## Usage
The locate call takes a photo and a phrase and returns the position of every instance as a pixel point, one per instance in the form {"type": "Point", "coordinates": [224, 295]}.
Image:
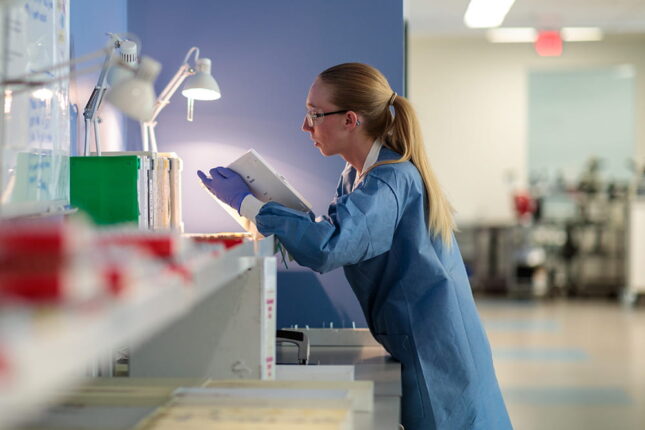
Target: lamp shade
{"type": "Point", "coordinates": [202, 85]}
{"type": "Point", "coordinates": [127, 55]}
{"type": "Point", "coordinates": [135, 97]}
{"type": "Point", "coordinates": [118, 74]}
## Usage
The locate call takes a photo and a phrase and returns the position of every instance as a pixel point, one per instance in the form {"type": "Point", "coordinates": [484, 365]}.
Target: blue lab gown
{"type": "Point", "coordinates": [414, 292]}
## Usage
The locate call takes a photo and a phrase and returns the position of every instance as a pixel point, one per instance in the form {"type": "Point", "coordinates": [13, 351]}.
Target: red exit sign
{"type": "Point", "coordinates": [548, 43]}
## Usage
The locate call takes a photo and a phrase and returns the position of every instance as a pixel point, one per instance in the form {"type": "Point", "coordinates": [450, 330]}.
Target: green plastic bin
{"type": "Point", "coordinates": [106, 188]}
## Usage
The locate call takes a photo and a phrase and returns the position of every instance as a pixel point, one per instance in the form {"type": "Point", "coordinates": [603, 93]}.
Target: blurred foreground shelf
{"type": "Point", "coordinates": [44, 351]}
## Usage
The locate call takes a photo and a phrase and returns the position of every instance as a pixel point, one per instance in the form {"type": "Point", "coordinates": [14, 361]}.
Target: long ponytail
{"type": "Point", "coordinates": [391, 118]}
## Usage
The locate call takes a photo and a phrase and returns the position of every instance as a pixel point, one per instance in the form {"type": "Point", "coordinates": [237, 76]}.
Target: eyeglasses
{"type": "Point", "coordinates": [317, 117]}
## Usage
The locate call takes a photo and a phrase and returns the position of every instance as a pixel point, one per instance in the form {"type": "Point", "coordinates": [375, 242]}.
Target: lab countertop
{"type": "Point", "coordinates": [371, 363]}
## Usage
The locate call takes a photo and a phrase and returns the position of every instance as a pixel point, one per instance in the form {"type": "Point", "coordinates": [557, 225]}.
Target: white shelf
{"type": "Point", "coordinates": [48, 353]}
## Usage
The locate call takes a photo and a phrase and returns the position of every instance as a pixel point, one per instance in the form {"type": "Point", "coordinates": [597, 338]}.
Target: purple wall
{"type": "Point", "coordinates": [90, 20]}
{"type": "Point", "coordinates": [265, 55]}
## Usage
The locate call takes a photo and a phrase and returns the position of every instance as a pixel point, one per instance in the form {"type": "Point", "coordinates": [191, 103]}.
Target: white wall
{"type": "Point", "coordinates": [471, 97]}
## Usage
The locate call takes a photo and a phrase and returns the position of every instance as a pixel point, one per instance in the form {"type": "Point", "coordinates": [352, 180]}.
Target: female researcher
{"type": "Point", "coordinates": [391, 228]}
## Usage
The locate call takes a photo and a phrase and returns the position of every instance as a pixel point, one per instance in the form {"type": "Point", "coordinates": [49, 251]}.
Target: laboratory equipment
{"type": "Point", "coordinates": [47, 262]}
{"type": "Point", "coordinates": [297, 338]}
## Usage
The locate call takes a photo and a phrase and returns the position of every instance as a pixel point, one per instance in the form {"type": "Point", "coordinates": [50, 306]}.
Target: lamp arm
{"type": "Point", "coordinates": [96, 98]}
{"type": "Point", "coordinates": [149, 139]}
{"type": "Point", "coordinates": [148, 127]}
{"type": "Point", "coordinates": [195, 50]}
{"type": "Point", "coordinates": [164, 98]}
{"type": "Point", "coordinates": [93, 104]}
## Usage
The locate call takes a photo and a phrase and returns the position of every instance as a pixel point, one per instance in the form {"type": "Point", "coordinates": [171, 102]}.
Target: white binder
{"type": "Point", "coordinates": [267, 185]}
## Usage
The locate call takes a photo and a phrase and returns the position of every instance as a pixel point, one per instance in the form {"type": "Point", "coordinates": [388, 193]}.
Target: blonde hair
{"type": "Point", "coordinates": [363, 89]}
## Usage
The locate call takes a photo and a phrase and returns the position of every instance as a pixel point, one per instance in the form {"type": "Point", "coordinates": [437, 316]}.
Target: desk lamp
{"type": "Point", "coordinates": [136, 104]}
{"type": "Point", "coordinates": [200, 85]}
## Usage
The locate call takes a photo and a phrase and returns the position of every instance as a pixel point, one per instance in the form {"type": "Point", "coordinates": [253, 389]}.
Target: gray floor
{"type": "Point", "coordinates": [569, 364]}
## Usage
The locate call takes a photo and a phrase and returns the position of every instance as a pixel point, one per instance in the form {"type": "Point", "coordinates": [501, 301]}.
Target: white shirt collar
{"type": "Point", "coordinates": [372, 156]}
{"type": "Point", "coordinates": [370, 160]}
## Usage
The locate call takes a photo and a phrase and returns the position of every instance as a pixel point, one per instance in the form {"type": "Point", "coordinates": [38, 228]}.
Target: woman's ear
{"type": "Point", "coordinates": [351, 119]}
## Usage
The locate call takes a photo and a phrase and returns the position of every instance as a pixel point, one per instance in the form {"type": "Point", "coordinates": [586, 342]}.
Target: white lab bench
{"type": "Point", "coordinates": [371, 363]}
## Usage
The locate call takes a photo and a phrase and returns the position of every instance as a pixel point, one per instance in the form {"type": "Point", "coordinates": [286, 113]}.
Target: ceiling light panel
{"type": "Point", "coordinates": [511, 35]}
{"type": "Point", "coordinates": [486, 13]}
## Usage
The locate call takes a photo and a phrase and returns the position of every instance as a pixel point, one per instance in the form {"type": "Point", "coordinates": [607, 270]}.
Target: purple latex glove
{"type": "Point", "coordinates": [226, 185]}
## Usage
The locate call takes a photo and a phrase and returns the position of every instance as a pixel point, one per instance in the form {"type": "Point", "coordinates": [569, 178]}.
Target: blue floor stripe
{"type": "Point", "coordinates": [540, 354]}
{"type": "Point", "coordinates": [521, 325]}
{"type": "Point", "coordinates": [568, 395]}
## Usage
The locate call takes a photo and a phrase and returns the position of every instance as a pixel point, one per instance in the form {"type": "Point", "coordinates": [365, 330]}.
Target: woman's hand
{"type": "Point", "coordinates": [226, 185]}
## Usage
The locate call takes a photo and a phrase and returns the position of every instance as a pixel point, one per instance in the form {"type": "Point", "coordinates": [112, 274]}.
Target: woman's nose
{"type": "Point", "coordinates": [305, 125]}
